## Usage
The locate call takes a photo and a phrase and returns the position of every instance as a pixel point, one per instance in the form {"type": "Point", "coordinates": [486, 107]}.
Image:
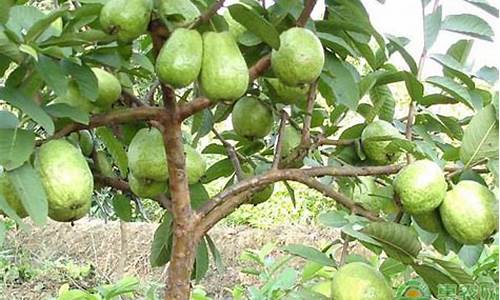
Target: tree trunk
{"type": "Point", "coordinates": [183, 254]}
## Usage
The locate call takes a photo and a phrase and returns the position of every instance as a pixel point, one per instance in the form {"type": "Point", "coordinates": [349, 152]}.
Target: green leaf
{"type": "Point", "coordinates": [334, 42]}
{"type": "Point", "coordinates": [470, 254]}
{"type": "Point", "coordinates": [451, 63]}
{"type": "Point", "coordinates": [28, 186]}
{"type": "Point", "coordinates": [84, 78]}
{"type": "Point", "coordinates": [222, 168]}
{"type": "Point", "coordinates": [455, 270]}
{"type": "Point", "coordinates": [309, 253]}
{"type": "Point", "coordinates": [9, 48]}
{"type": "Point", "coordinates": [52, 74]}
{"type": "Point", "coordinates": [16, 146]}
{"type": "Point", "coordinates": [42, 25]}
{"type": "Point", "coordinates": [453, 88]}
{"type": "Point", "coordinates": [122, 207]}
{"type": "Point", "coordinates": [21, 18]}
{"type": "Point", "coordinates": [488, 74]}
{"type": "Point", "coordinates": [460, 50]}
{"type": "Point", "coordinates": [161, 246]}
{"type": "Point", "coordinates": [484, 5]}
{"type": "Point", "coordinates": [432, 25]}
{"type": "Point", "coordinates": [201, 260]}
{"type": "Point", "coordinates": [256, 24]}
{"type": "Point", "coordinates": [8, 120]}
{"type": "Point", "coordinates": [116, 148]}
{"type": "Point", "coordinates": [398, 241]}
{"type": "Point", "coordinates": [198, 195]}
{"type": "Point", "coordinates": [493, 167]}
{"type": "Point", "coordinates": [4, 10]}
{"type": "Point", "coordinates": [470, 25]}
{"type": "Point", "coordinates": [391, 267]}
{"type": "Point", "coordinates": [71, 39]}
{"type": "Point", "coordinates": [62, 110]}
{"type": "Point", "coordinates": [124, 286]}
{"type": "Point", "coordinates": [433, 276]}
{"type": "Point", "coordinates": [10, 212]}
{"type": "Point", "coordinates": [383, 103]}
{"type": "Point", "coordinates": [434, 99]}
{"type": "Point", "coordinates": [480, 137]}
{"type": "Point", "coordinates": [215, 253]}
{"type": "Point", "coordinates": [413, 85]}
{"type": "Point", "coordinates": [333, 219]}
{"type": "Point", "coordinates": [28, 106]}
{"type": "Point", "coordinates": [341, 82]}
{"type": "Point", "coordinates": [398, 45]}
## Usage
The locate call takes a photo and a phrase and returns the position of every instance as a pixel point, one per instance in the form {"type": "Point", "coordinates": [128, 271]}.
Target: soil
{"type": "Point", "coordinates": [93, 242]}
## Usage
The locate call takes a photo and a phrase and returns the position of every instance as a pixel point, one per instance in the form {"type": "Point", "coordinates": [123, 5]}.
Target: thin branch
{"type": "Point", "coordinates": [131, 99]}
{"type": "Point", "coordinates": [231, 152]}
{"type": "Point", "coordinates": [164, 201]}
{"type": "Point", "coordinates": [113, 117]}
{"type": "Point", "coordinates": [150, 95]}
{"type": "Point", "coordinates": [311, 96]}
{"type": "Point", "coordinates": [113, 182]}
{"type": "Point", "coordinates": [304, 16]}
{"type": "Point", "coordinates": [260, 67]}
{"type": "Point", "coordinates": [208, 14]}
{"type": "Point", "coordinates": [344, 252]}
{"type": "Point", "coordinates": [196, 105]}
{"type": "Point", "coordinates": [279, 143]}
{"type": "Point", "coordinates": [321, 141]}
{"type": "Point", "coordinates": [454, 172]}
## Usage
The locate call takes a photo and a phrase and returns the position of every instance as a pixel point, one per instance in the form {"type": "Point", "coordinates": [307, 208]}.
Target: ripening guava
{"type": "Point", "coordinates": [376, 149]}
{"type": "Point", "coordinates": [251, 118]}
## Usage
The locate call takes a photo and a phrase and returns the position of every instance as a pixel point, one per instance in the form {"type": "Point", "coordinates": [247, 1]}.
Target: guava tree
{"type": "Point", "coordinates": [76, 116]}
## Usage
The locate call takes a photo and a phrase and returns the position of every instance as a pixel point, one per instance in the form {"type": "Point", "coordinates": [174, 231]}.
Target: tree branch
{"type": "Point", "coordinates": [131, 99]}
{"type": "Point", "coordinates": [281, 130]}
{"type": "Point", "coordinates": [113, 182]}
{"type": "Point", "coordinates": [321, 141]}
{"type": "Point", "coordinates": [306, 12]}
{"type": "Point", "coordinates": [191, 108]}
{"type": "Point", "coordinates": [113, 117]}
{"type": "Point", "coordinates": [311, 96]}
{"type": "Point", "coordinates": [150, 95]}
{"type": "Point", "coordinates": [208, 14]}
{"type": "Point", "coordinates": [231, 152]}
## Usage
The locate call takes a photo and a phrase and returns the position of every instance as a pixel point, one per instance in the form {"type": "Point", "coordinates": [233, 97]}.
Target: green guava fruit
{"type": "Point", "coordinates": [359, 281]}
{"type": "Point", "coordinates": [178, 12]}
{"type": "Point", "coordinates": [224, 72]}
{"type": "Point", "coordinates": [195, 164]}
{"type": "Point", "coordinates": [10, 194]}
{"type": "Point", "coordinates": [234, 27]}
{"type": "Point", "coordinates": [375, 150]}
{"type": "Point", "coordinates": [287, 94]}
{"type": "Point", "coordinates": [300, 57]}
{"type": "Point", "coordinates": [75, 99]}
{"type": "Point", "coordinates": [430, 221]}
{"type": "Point", "coordinates": [421, 187]}
{"type": "Point", "coordinates": [179, 61]}
{"type": "Point", "coordinates": [324, 288]}
{"type": "Point", "coordinates": [86, 142]}
{"type": "Point", "coordinates": [290, 140]}
{"type": "Point", "coordinates": [67, 180]}
{"type": "Point", "coordinates": [251, 118]}
{"type": "Point", "coordinates": [109, 89]}
{"type": "Point", "coordinates": [374, 198]}
{"type": "Point", "coordinates": [103, 164]}
{"type": "Point", "coordinates": [146, 155]}
{"type": "Point", "coordinates": [469, 212]}
{"type": "Point", "coordinates": [146, 188]}
{"type": "Point", "coordinates": [261, 195]}
{"type": "Point", "coordinates": [128, 19]}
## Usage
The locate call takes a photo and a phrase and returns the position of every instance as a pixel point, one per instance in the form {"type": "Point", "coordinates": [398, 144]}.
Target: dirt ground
{"type": "Point", "coordinates": [92, 242]}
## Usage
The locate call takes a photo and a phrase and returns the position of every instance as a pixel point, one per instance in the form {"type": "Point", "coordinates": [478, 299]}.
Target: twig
{"type": "Point", "coordinates": [311, 96]}
{"type": "Point", "coordinates": [164, 201]}
{"type": "Point", "coordinates": [113, 182]}
{"type": "Point", "coordinates": [131, 99]}
{"type": "Point", "coordinates": [231, 152]}
{"type": "Point", "coordinates": [150, 95]}
{"type": "Point", "coordinates": [279, 146]}
{"type": "Point", "coordinates": [304, 16]}
{"type": "Point", "coordinates": [452, 173]}
{"type": "Point", "coordinates": [344, 252]}
{"type": "Point", "coordinates": [321, 141]}
{"type": "Point", "coordinates": [208, 14]}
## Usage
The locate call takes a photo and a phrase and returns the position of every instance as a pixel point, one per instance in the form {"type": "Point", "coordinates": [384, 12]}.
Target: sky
{"type": "Point", "coordinates": [403, 18]}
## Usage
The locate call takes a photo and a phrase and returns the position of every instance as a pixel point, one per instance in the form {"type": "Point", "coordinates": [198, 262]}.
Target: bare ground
{"type": "Point", "coordinates": [92, 242]}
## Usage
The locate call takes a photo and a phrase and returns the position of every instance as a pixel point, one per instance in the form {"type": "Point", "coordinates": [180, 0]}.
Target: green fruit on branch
{"type": "Point", "coordinates": [128, 19]}
{"type": "Point", "coordinates": [224, 72]}
{"type": "Point", "coordinates": [469, 212]}
{"type": "Point", "coordinates": [8, 191]}
{"type": "Point", "coordinates": [261, 195]}
{"type": "Point", "coordinates": [104, 164]}
{"type": "Point", "coordinates": [430, 221]}
{"type": "Point", "coordinates": [376, 149]}
{"type": "Point", "coordinates": [146, 188]}
{"type": "Point", "coordinates": [86, 142]}
{"type": "Point", "coordinates": [195, 164]}
{"type": "Point", "coordinates": [109, 89]}
{"type": "Point", "coordinates": [67, 180]}
{"type": "Point", "coordinates": [75, 99]}
{"type": "Point", "coordinates": [300, 57]}
{"type": "Point", "coordinates": [146, 155]}
{"type": "Point", "coordinates": [179, 61]}
{"type": "Point", "coordinates": [287, 94]}
{"type": "Point", "coordinates": [251, 118]}
{"type": "Point", "coordinates": [374, 197]}
{"type": "Point", "coordinates": [290, 140]}
{"type": "Point", "coordinates": [421, 187]}
{"type": "Point", "coordinates": [359, 281]}
{"type": "Point", "coordinates": [178, 12]}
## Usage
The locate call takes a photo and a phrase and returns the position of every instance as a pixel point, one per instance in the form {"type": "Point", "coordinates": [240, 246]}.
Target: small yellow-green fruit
{"type": "Point", "coordinates": [109, 89]}
{"type": "Point", "coordinates": [251, 118]}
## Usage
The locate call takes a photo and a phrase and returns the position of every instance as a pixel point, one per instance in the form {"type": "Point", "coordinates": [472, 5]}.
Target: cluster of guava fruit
{"type": "Point", "coordinates": [66, 179]}
{"type": "Point", "coordinates": [148, 168]}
